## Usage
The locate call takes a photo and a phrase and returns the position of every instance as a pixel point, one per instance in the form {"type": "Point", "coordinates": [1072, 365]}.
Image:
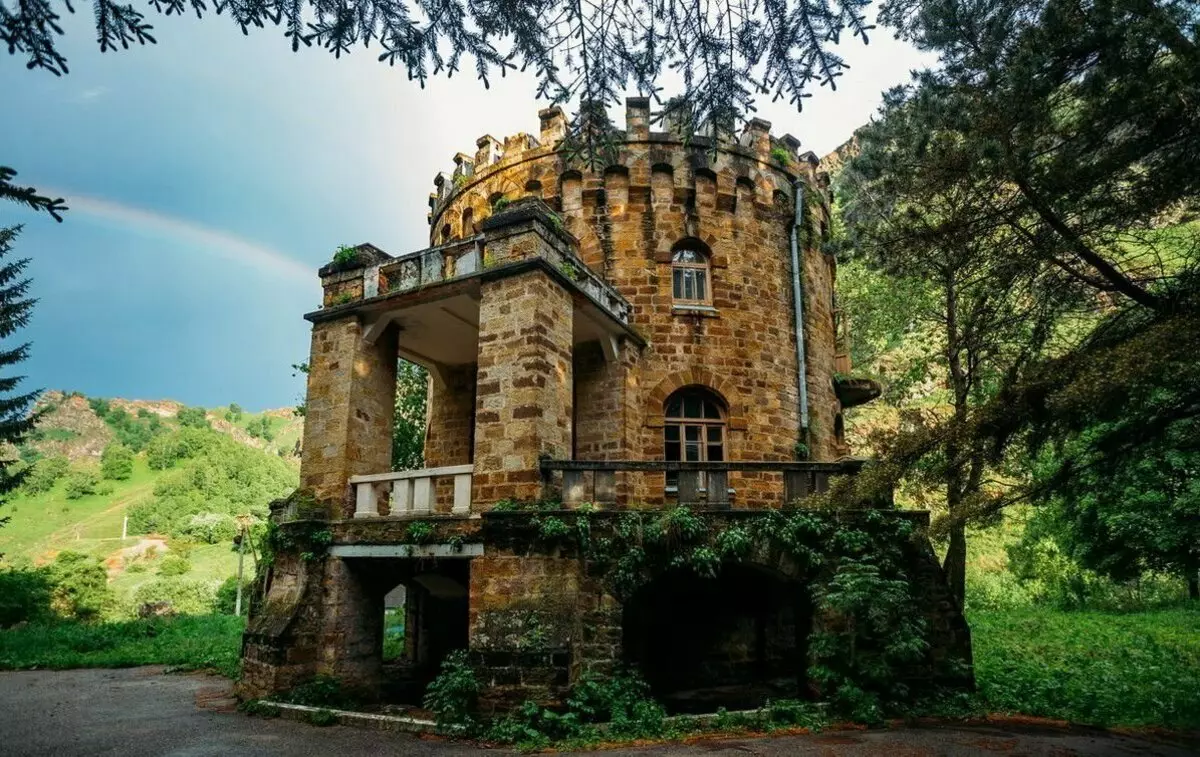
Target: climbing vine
{"type": "Point", "coordinates": [870, 635]}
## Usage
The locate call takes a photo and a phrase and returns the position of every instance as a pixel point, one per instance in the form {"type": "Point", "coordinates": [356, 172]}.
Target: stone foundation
{"type": "Point", "coordinates": [536, 617]}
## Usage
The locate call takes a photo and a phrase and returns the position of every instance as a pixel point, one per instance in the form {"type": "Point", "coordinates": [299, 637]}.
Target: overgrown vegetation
{"type": "Point", "coordinates": [210, 480]}
{"type": "Point", "coordinates": [211, 642]}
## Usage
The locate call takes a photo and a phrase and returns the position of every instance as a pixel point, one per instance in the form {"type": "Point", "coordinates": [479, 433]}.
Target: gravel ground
{"type": "Point", "coordinates": [142, 711]}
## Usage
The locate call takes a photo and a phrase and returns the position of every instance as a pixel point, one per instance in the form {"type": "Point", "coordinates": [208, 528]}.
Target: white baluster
{"type": "Point", "coordinates": [462, 494]}
{"type": "Point", "coordinates": [402, 496]}
{"type": "Point", "coordinates": [366, 505]}
{"type": "Point", "coordinates": [422, 495]}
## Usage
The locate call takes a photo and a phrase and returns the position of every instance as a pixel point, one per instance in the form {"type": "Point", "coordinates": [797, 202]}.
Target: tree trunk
{"type": "Point", "coordinates": [955, 564]}
{"type": "Point", "coordinates": [1194, 588]}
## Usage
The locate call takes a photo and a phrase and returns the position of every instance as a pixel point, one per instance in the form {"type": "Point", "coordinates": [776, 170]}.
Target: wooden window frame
{"type": "Point", "coordinates": [701, 272]}
{"type": "Point", "coordinates": [682, 422]}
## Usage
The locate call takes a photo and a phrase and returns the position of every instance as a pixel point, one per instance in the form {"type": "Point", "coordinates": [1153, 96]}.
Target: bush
{"type": "Point", "coordinates": [116, 464]}
{"type": "Point", "coordinates": [193, 417]}
{"type": "Point", "coordinates": [194, 643]}
{"type": "Point", "coordinates": [210, 528]}
{"type": "Point", "coordinates": [226, 600]}
{"type": "Point", "coordinates": [187, 596]}
{"type": "Point", "coordinates": [167, 449]}
{"type": "Point", "coordinates": [24, 595]}
{"type": "Point", "coordinates": [234, 414]}
{"type": "Point", "coordinates": [79, 586]}
{"type": "Point", "coordinates": [174, 565]}
{"type": "Point", "coordinates": [452, 696]}
{"type": "Point", "coordinates": [45, 473]}
{"type": "Point", "coordinates": [228, 478]}
{"type": "Point", "coordinates": [82, 480]}
{"type": "Point", "coordinates": [260, 428]}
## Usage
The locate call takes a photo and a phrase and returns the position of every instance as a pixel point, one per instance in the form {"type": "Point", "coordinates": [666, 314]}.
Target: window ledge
{"type": "Point", "coordinates": [705, 311]}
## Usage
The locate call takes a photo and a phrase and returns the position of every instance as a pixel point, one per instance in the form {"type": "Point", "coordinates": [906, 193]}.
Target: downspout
{"type": "Point", "coordinates": [798, 306]}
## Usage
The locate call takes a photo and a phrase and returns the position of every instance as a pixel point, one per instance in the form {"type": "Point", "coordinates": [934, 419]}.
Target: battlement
{"type": "Point", "coordinates": [639, 146]}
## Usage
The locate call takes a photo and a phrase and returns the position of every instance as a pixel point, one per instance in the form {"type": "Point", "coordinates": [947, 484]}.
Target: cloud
{"type": "Point", "coordinates": [93, 93]}
{"type": "Point", "coordinates": [215, 242]}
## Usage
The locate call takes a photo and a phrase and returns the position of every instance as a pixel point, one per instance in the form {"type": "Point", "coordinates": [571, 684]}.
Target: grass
{"type": "Point", "coordinates": [205, 642]}
{"type": "Point", "coordinates": [212, 563]}
{"type": "Point", "coordinates": [1098, 668]}
{"type": "Point", "coordinates": [49, 522]}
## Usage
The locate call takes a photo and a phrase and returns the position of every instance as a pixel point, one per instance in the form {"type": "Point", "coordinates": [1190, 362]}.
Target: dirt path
{"type": "Point", "coordinates": [142, 711]}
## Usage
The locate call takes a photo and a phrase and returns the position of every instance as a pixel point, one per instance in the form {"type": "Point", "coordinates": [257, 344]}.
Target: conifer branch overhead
{"type": "Point", "coordinates": [28, 196]}
{"type": "Point", "coordinates": [585, 51]}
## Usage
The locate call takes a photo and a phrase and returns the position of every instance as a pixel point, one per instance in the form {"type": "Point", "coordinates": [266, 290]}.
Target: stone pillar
{"type": "Point", "coordinates": [350, 401]}
{"type": "Point", "coordinates": [352, 628]}
{"type": "Point", "coordinates": [523, 391]}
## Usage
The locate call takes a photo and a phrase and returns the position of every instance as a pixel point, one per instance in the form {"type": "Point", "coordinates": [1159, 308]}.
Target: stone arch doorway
{"type": "Point", "coordinates": [404, 616]}
{"type": "Point", "coordinates": [734, 640]}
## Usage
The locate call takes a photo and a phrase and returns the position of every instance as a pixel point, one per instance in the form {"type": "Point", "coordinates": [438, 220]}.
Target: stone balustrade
{"type": "Point", "coordinates": [411, 493]}
{"type": "Point", "coordinates": [705, 484]}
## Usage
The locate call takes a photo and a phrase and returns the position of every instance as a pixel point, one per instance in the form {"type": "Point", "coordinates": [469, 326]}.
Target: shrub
{"type": "Point", "coordinates": [79, 586]}
{"type": "Point", "coordinates": [116, 464]}
{"type": "Point", "coordinates": [82, 480]}
{"type": "Point", "coordinates": [167, 449]}
{"type": "Point", "coordinates": [24, 595]}
{"type": "Point", "coordinates": [193, 417]}
{"type": "Point", "coordinates": [260, 428]}
{"type": "Point", "coordinates": [452, 696]}
{"type": "Point", "coordinates": [345, 257]}
{"type": "Point", "coordinates": [45, 473]}
{"type": "Point", "coordinates": [187, 596]}
{"type": "Point", "coordinates": [320, 691]}
{"type": "Point", "coordinates": [226, 600]}
{"type": "Point", "coordinates": [210, 528]}
{"type": "Point", "coordinates": [134, 433]}
{"type": "Point", "coordinates": [234, 414]}
{"type": "Point", "coordinates": [174, 565]}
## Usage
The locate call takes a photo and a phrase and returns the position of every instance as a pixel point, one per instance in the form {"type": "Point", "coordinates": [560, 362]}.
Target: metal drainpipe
{"type": "Point", "coordinates": [798, 305]}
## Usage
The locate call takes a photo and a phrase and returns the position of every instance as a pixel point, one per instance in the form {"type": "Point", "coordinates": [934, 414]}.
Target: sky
{"type": "Point", "coordinates": [210, 175]}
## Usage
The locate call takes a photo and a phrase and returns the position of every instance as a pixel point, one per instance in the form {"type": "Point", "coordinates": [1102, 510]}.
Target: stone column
{"type": "Point", "coordinates": [351, 399]}
{"type": "Point", "coordinates": [523, 392]}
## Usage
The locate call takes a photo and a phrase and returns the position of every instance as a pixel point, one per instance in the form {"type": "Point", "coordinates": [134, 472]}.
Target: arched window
{"type": "Point", "coordinates": [689, 276]}
{"type": "Point", "coordinates": [694, 428]}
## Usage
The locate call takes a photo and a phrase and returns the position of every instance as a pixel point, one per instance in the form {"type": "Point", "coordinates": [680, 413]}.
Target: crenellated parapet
{"type": "Point", "coordinates": [655, 151]}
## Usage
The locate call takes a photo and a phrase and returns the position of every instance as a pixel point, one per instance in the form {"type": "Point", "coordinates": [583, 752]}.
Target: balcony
{"type": "Point", "coordinates": [433, 295]}
{"type": "Point", "coordinates": [706, 485]}
{"type": "Point", "coordinates": [412, 493]}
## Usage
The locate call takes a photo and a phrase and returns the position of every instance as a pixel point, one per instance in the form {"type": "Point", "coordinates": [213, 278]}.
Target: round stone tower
{"type": "Point", "coordinates": [696, 233]}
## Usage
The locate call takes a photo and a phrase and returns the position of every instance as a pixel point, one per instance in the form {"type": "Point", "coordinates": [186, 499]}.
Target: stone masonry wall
{"type": "Point", "coordinates": [628, 218]}
{"type": "Point", "coordinates": [451, 419]}
{"type": "Point", "coordinates": [348, 423]}
{"type": "Point", "coordinates": [523, 391]}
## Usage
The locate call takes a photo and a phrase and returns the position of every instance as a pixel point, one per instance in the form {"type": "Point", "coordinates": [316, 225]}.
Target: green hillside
{"type": "Point", "coordinates": [188, 475]}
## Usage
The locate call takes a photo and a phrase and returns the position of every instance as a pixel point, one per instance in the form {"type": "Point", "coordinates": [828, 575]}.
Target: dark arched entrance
{"type": "Point", "coordinates": [732, 641]}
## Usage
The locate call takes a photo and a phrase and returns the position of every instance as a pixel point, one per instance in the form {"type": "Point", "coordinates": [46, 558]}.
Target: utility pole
{"type": "Point", "coordinates": [237, 605]}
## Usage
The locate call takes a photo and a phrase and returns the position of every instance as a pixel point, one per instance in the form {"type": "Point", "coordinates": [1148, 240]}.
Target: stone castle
{"type": "Point", "coordinates": [660, 332]}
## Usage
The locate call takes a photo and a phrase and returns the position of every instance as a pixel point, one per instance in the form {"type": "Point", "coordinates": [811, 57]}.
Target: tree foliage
{"type": "Point", "coordinates": [408, 425]}
{"type": "Point", "coordinates": [725, 52]}
{"type": "Point", "coordinates": [1055, 150]}
{"type": "Point", "coordinates": [211, 479]}
{"type": "Point", "coordinates": [116, 462]}
{"type": "Point", "coordinates": [16, 307]}
{"type": "Point", "coordinates": [27, 196]}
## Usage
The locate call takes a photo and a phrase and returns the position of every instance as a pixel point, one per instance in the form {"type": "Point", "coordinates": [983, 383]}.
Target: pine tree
{"type": "Point", "coordinates": [28, 196]}
{"type": "Point", "coordinates": [16, 420]}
